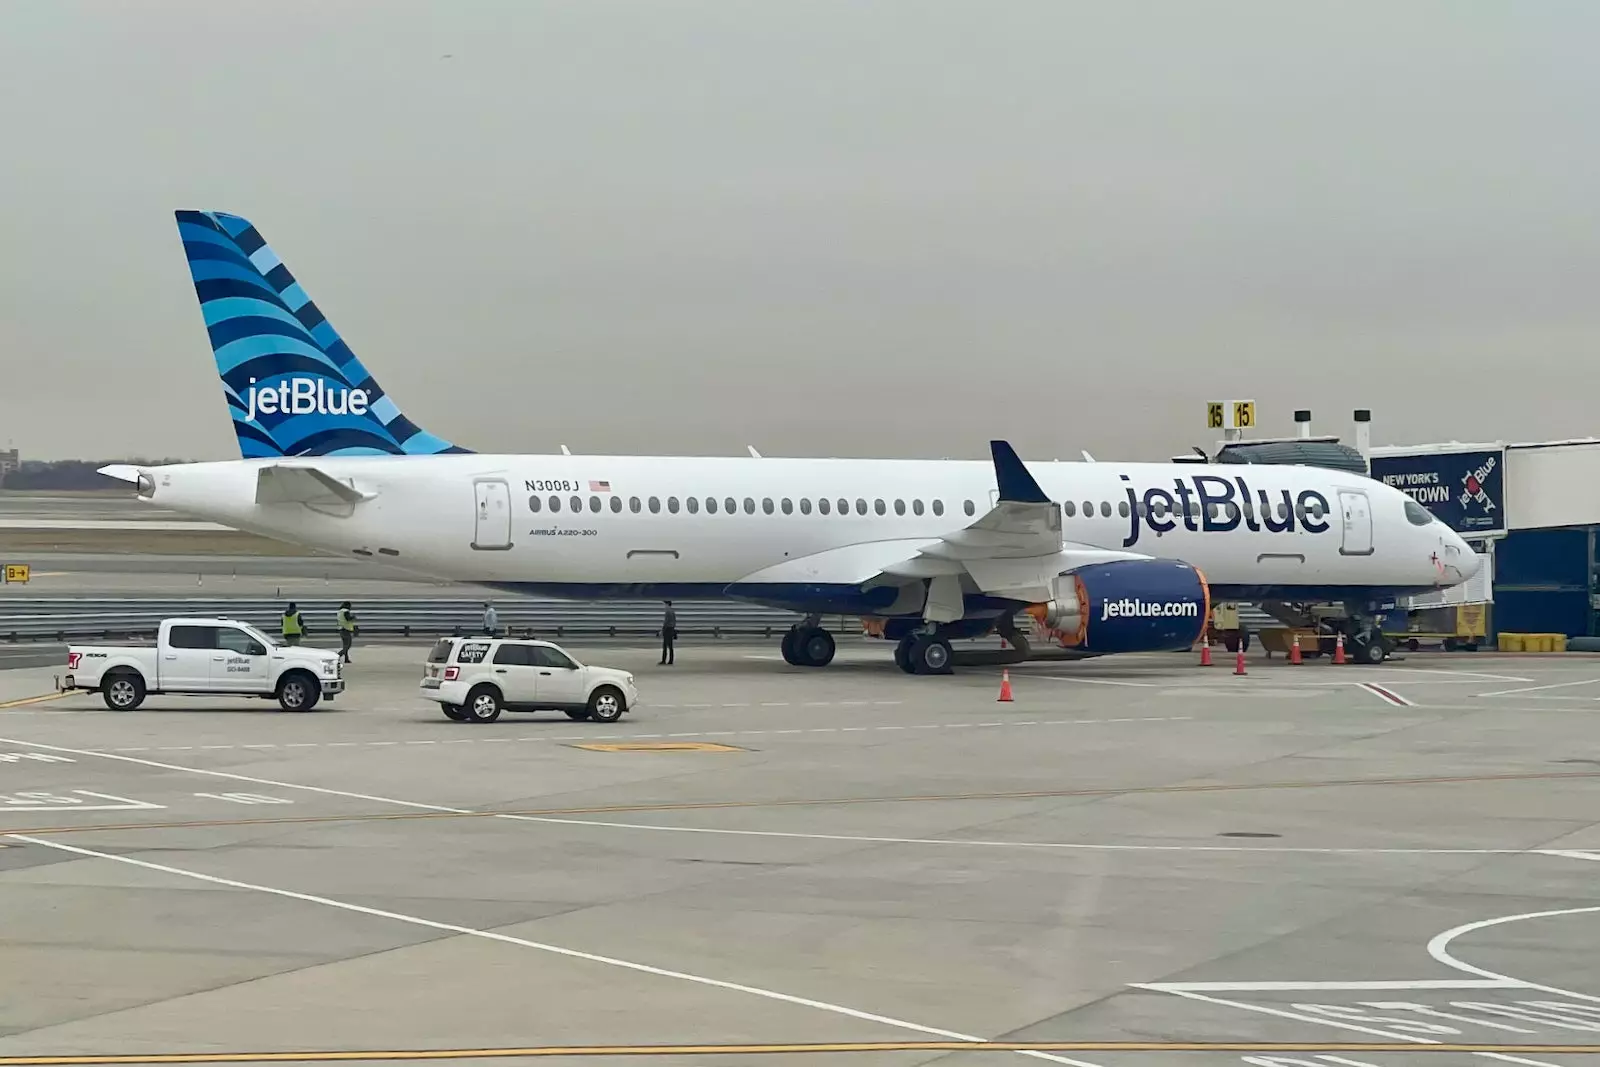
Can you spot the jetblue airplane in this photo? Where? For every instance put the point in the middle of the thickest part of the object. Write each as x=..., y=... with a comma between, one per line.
x=1105, y=557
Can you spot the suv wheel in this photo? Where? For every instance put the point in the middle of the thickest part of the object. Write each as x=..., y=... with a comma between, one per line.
x=606, y=704
x=483, y=704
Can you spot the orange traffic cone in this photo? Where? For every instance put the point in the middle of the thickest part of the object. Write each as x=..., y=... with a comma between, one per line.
x=1294, y=650
x=1238, y=662
x=1205, y=649
x=1005, y=688
x=1338, y=649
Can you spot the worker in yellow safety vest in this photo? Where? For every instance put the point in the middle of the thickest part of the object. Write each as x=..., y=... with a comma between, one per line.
x=292, y=625
x=347, y=630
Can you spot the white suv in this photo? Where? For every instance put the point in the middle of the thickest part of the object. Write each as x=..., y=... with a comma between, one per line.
x=474, y=679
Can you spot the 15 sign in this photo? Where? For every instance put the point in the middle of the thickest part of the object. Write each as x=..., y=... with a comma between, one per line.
x=1231, y=415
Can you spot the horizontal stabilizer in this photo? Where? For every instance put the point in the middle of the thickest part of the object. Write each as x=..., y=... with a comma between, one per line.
x=122, y=472
x=304, y=485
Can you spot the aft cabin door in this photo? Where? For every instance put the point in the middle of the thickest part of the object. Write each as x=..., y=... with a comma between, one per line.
x=492, y=532
x=1356, y=512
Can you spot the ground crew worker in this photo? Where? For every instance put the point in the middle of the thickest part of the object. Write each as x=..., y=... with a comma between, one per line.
x=347, y=630
x=292, y=626
x=669, y=635
x=491, y=619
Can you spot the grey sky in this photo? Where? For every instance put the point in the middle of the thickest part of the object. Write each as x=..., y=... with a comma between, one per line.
x=820, y=226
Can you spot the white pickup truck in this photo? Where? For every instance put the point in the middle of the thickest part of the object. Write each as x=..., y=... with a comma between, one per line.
x=209, y=657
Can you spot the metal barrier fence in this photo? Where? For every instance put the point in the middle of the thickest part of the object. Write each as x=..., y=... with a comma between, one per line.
x=69, y=618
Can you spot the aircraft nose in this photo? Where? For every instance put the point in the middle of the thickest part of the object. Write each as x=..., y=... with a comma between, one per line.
x=1465, y=561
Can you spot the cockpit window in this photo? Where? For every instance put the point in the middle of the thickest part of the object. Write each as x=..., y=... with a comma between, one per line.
x=1416, y=514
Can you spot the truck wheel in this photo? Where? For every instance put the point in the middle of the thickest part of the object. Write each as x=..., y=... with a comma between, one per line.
x=483, y=704
x=298, y=691
x=454, y=711
x=606, y=704
x=123, y=691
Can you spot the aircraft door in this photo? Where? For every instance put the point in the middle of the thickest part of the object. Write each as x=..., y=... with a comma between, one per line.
x=1356, y=515
x=492, y=531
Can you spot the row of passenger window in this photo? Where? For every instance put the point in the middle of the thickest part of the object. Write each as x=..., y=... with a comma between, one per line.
x=731, y=506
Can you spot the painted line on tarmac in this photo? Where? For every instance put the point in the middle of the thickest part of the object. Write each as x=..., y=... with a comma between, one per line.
x=1387, y=695
x=648, y=737
x=34, y=700
x=558, y=950
x=1439, y=949
x=830, y=1047
x=1537, y=688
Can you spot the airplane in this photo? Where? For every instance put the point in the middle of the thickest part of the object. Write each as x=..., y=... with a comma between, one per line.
x=1105, y=557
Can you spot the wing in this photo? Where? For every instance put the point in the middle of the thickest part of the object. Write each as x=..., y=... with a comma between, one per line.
x=1011, y=552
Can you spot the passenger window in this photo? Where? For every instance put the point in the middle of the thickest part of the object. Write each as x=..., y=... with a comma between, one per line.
x=1416, y=514
x=1122, y=508
x=878, y=506
x=692, y=503
x=824, y=506
x=711, y=505
x=577, y=504
x=633, y=504
x=616, y=505
x=767, y=506
x=534, y=503
x=1068, y=508
x=805, y=506
x=861, y=506
x=916, y=507
x=594, y=504
x=1159, y=509
x=750, y=506
x=232, y=640
x=1105, y=509
x=938, y=507
x=545, y=656
x=192, y=637
x=899, y=507
x=1315, y=510
x=655, y=505
x=672, y=504
x=731, y=505
x=513, y=655
x=844, y=506
x=555, y=503
x=1088, y=509
x=967, y=506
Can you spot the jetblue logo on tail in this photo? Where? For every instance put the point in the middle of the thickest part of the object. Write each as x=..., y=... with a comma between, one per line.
x=1129, y=608
x=304, y=396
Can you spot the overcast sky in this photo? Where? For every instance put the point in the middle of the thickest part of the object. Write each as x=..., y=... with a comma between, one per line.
x=824, y=227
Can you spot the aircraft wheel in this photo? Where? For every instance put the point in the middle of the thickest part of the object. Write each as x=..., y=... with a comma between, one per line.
x=787, y=647
x=813, y=647
x=931, y=655
x=902, y=654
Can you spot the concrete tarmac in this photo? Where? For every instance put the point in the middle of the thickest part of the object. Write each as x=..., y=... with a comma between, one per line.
x=1135, y=862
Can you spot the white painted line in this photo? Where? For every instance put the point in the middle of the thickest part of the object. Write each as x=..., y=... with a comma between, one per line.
x=1537, y=688
x=1098, y=681
x=117, y=803
x=1572, y=854
x=508, y=939
x=1387, y=695
x=1281, y=987
x=1439, y=949
x=1342, y=1025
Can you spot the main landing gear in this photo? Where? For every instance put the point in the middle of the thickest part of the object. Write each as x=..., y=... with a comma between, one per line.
x=923, y=654
x=808, y=645
x=1364, y=641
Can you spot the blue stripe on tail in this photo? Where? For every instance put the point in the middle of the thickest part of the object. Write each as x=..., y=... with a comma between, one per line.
x=293, y=386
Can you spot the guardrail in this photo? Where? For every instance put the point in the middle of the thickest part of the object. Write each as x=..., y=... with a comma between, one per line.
x=82, y=618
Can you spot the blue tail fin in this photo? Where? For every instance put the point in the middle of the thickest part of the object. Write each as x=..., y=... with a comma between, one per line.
x=293, y=386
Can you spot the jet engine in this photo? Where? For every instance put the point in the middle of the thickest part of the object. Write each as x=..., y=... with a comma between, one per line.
x=1131, y=605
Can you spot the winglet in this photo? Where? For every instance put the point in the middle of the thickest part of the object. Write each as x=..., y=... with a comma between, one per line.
x=1012, y=477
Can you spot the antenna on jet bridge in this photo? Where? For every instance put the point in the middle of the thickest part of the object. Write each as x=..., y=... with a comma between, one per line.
x=753, y=453
x=565, y=451
x=1086, y=457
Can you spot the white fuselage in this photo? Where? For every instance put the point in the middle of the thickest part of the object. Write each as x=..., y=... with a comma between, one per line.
x=596, y=526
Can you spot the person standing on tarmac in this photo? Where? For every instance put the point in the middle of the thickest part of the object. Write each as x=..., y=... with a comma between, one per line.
x=347, y=630
x=491, y=619
x=669, y=636
x=292, y=626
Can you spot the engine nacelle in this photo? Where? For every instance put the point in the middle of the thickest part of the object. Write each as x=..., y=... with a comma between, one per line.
x=1131, y=605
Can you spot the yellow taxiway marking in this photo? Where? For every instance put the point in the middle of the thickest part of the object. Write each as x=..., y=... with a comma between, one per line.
x=348, y=1055
x=34, y=700
x=656, y=746
x=821, y=802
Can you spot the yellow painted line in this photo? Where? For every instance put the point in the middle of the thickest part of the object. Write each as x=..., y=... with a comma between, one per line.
x=661, y=746
x=34, y=700
x=727, y=805
x=358, y=1055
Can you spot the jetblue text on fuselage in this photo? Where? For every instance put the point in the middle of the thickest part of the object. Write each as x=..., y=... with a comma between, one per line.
x=304, y=396
x=1210, y=503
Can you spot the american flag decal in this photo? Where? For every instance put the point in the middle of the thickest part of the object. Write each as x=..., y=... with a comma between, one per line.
x=599, y=487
